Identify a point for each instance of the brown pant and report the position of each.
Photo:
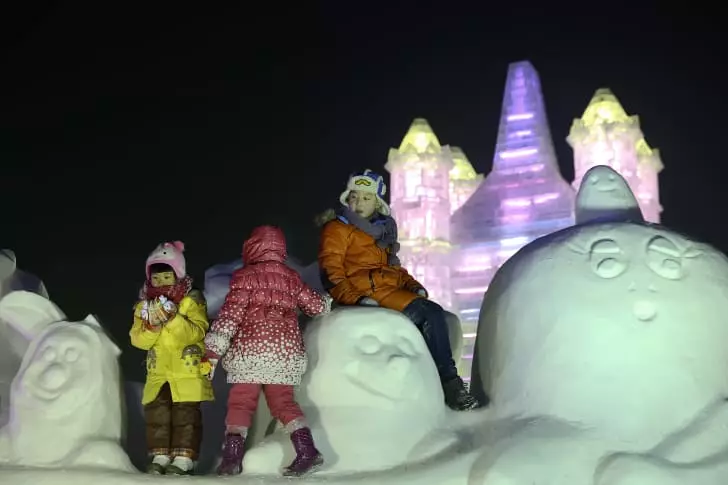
(173, 428)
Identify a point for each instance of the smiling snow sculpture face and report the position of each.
(373, 358)
(67, 385)
(624, 329)
(60, 372)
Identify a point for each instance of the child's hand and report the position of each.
(207, 367)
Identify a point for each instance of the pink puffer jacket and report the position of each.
(256, 332)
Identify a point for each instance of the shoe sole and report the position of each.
(173, 470)
(315, 467)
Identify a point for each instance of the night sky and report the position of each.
(123, 127)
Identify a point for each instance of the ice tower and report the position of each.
(522, 198)
(606, 135)
(463, 179)
(420, 200)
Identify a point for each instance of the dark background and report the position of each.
(122, 126)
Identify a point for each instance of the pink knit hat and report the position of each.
(169, 253)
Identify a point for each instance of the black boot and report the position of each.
(457, 396)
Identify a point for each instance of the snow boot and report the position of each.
(181, 465)
(308, 458)
(232, 455)
(158, 464)
(457, 397)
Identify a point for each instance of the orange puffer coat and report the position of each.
(353, 266)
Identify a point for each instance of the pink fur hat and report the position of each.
(169, 253)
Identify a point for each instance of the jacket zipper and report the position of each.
(371, 280)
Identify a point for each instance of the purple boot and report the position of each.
(308, 458)
(232, 455)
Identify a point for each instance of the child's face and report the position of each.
(166, 278)
(363, 203)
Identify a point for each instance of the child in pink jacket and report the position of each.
(258, 339)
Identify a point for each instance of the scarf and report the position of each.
(174, 292)
(383, 229)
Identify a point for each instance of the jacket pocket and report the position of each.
(191, 357)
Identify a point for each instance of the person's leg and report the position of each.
(158, 417)
(429, 317)
(186, 436)
(242, 402)
(283, 407)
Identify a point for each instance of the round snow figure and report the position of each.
(371, 394)
(65, 406)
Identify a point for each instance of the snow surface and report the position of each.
(605, 194)
(65, 401)
(602, 347)
(12, 344)
(629, 339)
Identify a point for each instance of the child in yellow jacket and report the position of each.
(170, 322)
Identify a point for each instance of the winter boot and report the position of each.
(232, 455)
(457, 397)
(308, 458)
(158, 464)
(181, 465)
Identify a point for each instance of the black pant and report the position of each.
(429, 317)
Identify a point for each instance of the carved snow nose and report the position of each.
(644, 310)
(399, 364)
(53, 377)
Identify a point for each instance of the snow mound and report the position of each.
(624, 335)
(65, 401)
(14, 279)
(371, 395)
(12, 344)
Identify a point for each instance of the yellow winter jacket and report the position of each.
(174, 353)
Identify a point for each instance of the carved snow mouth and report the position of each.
(644, 310)
(50, 382)
(385, 379)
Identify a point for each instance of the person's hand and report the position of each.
(208, 366)
(367, 301)
(169, 307)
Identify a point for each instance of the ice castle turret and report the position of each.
(522, 198)
(607, 135)
(420, 200)
(463, 179)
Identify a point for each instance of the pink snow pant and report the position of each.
(243, 400)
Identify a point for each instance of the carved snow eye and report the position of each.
(664, 258)
(71, 354)
(49, 354)
(607, 259)
(369, 344)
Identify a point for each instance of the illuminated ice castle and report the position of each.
(457, 228)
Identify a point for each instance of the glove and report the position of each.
(159, 310)
(328, 301)
(422, 292)
(366, 301)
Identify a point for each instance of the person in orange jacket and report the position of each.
(359, 266)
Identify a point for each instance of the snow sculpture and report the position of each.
(624, 334)
(13, 279)
(371, 395)
(65, 403)
(12, 345)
